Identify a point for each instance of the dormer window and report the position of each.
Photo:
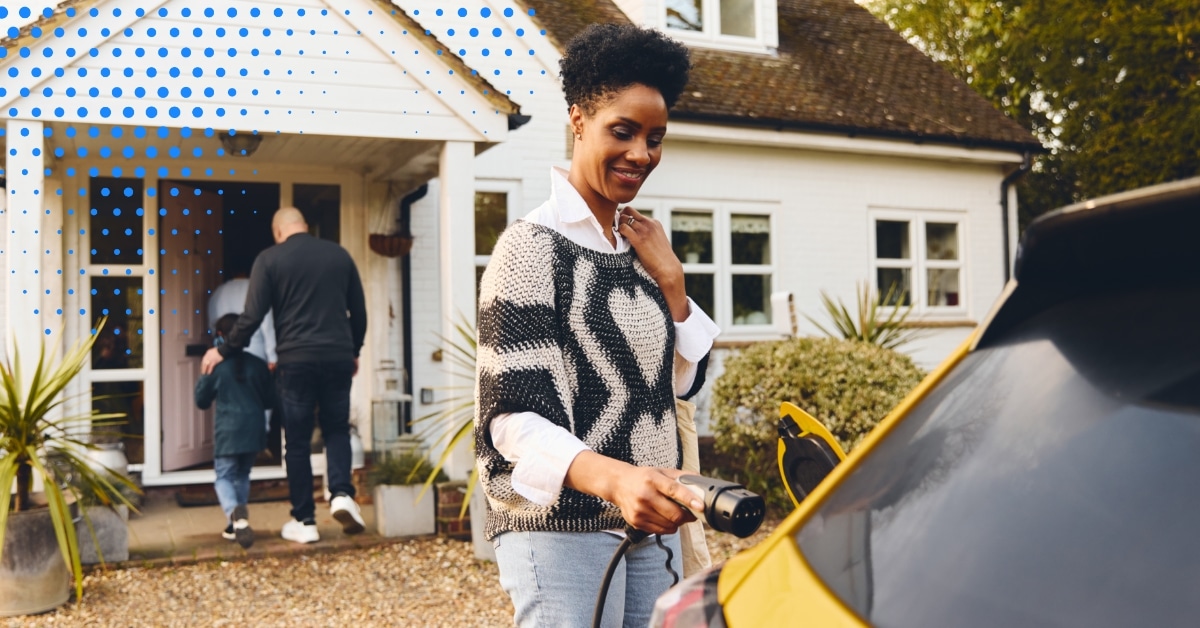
(734, 18)
(745, 25)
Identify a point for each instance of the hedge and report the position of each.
(847, 385)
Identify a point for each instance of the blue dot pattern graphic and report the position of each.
(145, 150)
(127, 132)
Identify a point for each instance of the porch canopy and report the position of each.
(153, 84)
(163, 90)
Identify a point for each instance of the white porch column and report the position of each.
(25, 174)
(456, 246)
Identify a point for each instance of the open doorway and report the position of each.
(211, 231)
(208, 231)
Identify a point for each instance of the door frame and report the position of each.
(76, 285)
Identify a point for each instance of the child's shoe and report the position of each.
(228, 534)
(241, 527)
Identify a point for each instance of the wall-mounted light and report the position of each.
(240, 144)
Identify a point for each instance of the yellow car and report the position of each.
(1046, 474)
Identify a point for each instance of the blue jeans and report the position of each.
(553, 577)
(309, 392)
(233, 480)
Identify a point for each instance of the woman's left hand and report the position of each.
(649, 239)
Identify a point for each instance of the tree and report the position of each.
(1110, 87)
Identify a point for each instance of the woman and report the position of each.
(586, 336)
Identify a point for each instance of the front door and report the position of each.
(190, 260)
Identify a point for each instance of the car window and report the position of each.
(1050, 479)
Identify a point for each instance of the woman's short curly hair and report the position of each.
(606, 58)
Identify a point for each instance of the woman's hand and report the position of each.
(649, 239)
(648, 497)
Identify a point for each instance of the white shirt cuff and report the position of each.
(694, 336)
(540, 450)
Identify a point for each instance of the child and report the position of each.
(242, 387)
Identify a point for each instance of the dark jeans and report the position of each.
(303, 387)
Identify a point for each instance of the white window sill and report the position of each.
(726, 43)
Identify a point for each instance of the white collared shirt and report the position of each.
(540, 450)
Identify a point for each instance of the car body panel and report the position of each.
(1095, 247)
(764, 577)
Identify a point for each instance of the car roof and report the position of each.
(1137, 239)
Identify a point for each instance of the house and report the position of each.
(813, 148)
(147, 141)
(146, 145)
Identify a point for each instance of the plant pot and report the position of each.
(33, 575)
(109, 457)
(398, 513)
(111, 526)
(393, 245)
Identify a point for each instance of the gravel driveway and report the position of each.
(422, 582)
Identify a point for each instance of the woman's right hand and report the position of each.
(649, 497)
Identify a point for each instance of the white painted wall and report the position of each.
(521, 163)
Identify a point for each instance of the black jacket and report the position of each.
(317, 299)
(239, 426)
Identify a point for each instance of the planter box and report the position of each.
(111, 526)
(397, 513)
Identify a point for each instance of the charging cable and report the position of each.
(728, 507)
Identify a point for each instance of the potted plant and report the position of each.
(39, 546)
(402, 507)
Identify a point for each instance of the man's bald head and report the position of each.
(287, 222)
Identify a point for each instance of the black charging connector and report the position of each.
(728, 507)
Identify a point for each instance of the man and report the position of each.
(230, 298)
(316, 295)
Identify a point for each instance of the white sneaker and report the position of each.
(300, 532)
(343, 508)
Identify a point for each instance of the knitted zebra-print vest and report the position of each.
(584, 339)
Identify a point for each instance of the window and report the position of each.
(740, 24)
(492, 200)
(727, 260)
(918, 261)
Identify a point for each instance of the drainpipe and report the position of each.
(406, 290)
(1009, 179)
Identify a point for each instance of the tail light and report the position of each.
(690, 604)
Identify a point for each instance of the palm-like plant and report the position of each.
(454, 420)
(869, 326)
(33, 441)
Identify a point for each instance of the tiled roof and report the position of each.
(838, 69)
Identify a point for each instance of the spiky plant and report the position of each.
(870, 325)
(454, 420)
(33, 441)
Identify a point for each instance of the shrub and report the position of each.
(396, 470)
(847, 385)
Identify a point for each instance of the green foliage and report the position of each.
(454, 420)
(1110, 87)
(848, 386)
(403, 469)
(33, 440)
(869, 325)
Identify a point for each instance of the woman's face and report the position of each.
(617, 146)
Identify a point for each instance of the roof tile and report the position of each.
(837, 69)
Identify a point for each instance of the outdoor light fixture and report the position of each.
(240, 144)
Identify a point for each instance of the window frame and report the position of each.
(510, 188)
(766, 32)
(722, 267)
(918, 262)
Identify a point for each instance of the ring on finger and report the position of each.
(630, 221)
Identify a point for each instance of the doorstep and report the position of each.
(166, 533)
